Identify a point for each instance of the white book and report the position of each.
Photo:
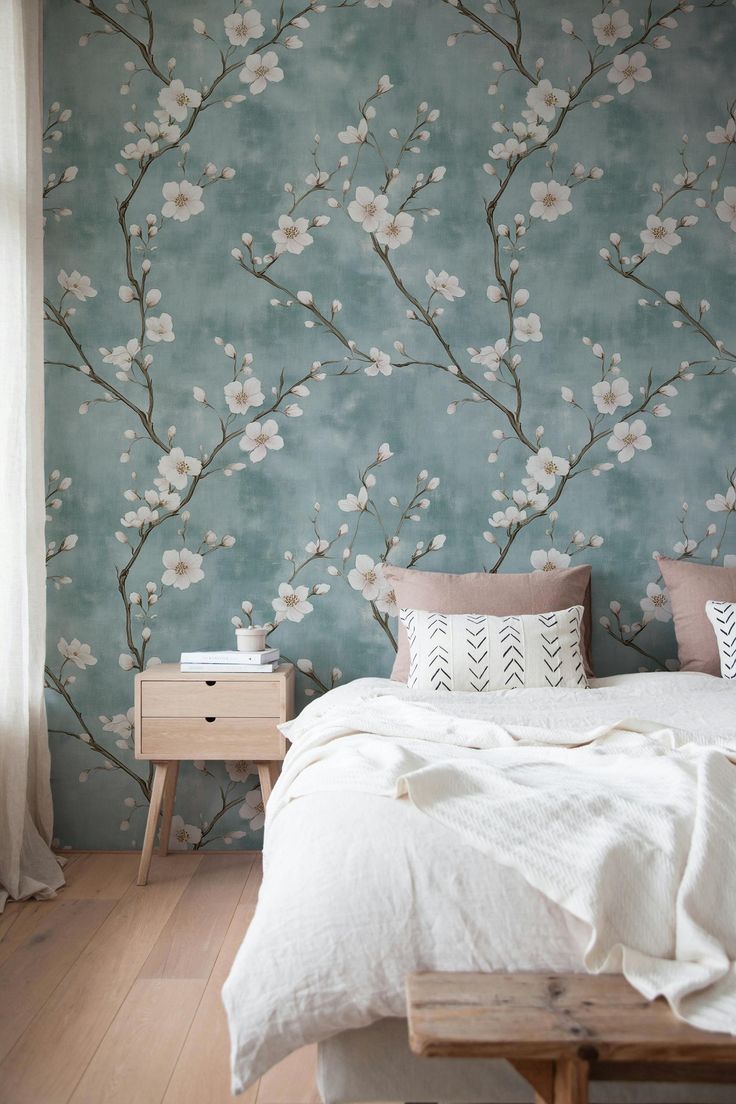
(230, 668)
(268, 655)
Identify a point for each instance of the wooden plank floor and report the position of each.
(111, 992)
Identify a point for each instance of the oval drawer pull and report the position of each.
(210, 682)
(209, 720)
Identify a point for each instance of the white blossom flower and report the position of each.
(177, 100)
(367, 577)
(608, 395)
(726, 207)
(240, 27)
(241, 395)
(182, 200)
(396, 231)
(79, 654)
(546, 100)
(609, 26)
(259, 438)
(545, 468)
(182, 568)
(386, 601)
(490, 356)
(659, 236)
(121, 723)
(627, 438)
(627, 70)
(354, 503)
(168, 500)
(380, 362)
(354, 135)
(136, 151)
(369, 209)
(161, 328)
(136, 519)
(292, 604)
(549, 559)
(656, 605)
(504, 151)
(535, 499)
(721, 502)
(446, 286)
(253, 810)
(183, 836)
(529, 328)
(550, 200)
(162, 129)
(177, 468)
(504, 519)
(122, 356)
(531, 128)
(239, 769)
(79, 286)
(291, 236)
(378, 3)
(316, 548)
(720, 135)
(259, 70)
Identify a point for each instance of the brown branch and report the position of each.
(56, 684)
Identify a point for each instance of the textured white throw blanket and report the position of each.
(629, 826)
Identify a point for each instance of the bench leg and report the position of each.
(571, 1081)
(541, 1077)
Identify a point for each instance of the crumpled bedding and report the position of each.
(528, 829)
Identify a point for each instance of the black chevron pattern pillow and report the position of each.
(473, 652)
(722, 616)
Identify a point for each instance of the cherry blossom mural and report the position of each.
(335, 284)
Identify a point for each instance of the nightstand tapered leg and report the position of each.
(157, 793)
(168, 811)
(266, 779)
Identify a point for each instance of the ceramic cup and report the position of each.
(252, 639)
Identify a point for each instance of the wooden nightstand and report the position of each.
(188, 715)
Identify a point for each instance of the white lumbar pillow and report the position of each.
(722, 616)
(467, 651)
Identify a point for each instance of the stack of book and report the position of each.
(231, 662)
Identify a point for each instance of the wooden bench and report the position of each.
(561, 1031)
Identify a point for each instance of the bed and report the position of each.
(366, 880)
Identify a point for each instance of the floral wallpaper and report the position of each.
(342, 282)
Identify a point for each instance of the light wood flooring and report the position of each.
(110, 993)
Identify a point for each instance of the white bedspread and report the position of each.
(544, 829)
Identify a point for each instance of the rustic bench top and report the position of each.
(551, 1016)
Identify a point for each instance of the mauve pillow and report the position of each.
(495, 595)
(690, 585)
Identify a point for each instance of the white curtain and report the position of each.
(28, 868)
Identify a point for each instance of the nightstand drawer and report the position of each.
(211, 698)
(220, 738)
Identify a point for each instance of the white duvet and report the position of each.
(560, 829)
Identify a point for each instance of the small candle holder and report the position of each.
(251, 639)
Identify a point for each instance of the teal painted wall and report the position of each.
(415, 370)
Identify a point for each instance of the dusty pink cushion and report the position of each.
(496, 595)
(690, 585)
